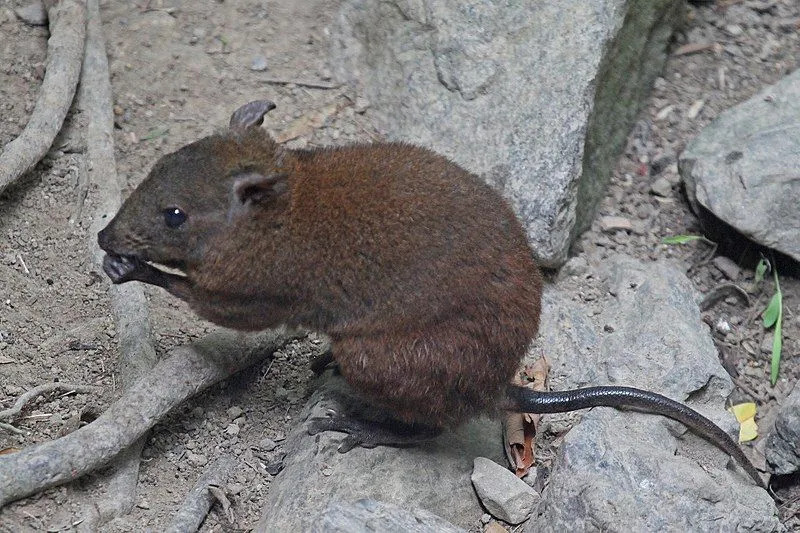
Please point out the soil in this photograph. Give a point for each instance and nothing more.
(178, 70)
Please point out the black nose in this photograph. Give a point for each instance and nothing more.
(103, 238)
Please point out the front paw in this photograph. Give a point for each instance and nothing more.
(121, 268)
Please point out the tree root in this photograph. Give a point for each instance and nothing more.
(129, 307)
(198, 502)
(185, 372)
(64, 54)
(35, 392)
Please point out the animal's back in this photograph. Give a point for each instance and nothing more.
(437, 283)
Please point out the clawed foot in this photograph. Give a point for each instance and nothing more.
(369, 433)
(321, 362)
(122, 268)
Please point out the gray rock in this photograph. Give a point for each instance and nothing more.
(33, 14)
(661, 187)
(783, 442)
(369, 516)
(434, 476)
(743, 167)
(503, 494)
(727, 266)
(626, 471)
(537, 99)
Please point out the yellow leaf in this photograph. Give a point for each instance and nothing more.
(743, 411)
(748, 430)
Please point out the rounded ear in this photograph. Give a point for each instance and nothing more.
(254, 188)
(250, 115)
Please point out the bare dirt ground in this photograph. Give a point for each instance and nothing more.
(178, 70)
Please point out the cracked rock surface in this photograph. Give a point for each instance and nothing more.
(537, 99)
(626, 471)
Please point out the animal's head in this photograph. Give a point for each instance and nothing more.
(192, 193)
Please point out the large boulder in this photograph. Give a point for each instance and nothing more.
(433, 477)
(639, 325)
(743, 167)
(538, 97)
(368, 516)
(783, 442)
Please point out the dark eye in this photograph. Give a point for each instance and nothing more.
(174, 217)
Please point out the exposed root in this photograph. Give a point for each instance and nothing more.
(198, 502)
(64, 54)
(137, 354)
(22, 401)
(185, 372)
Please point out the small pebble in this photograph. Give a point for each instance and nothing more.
(661, 187)
(196, 459)
(235, 488)
(734, 30)
(612, 224)
(259, 64)
(267, 444)
(766, 343)
(645, 210)
(361, 105)
(232, 430)
(235, 412)
(722, 326)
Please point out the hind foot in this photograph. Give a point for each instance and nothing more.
(370, 433)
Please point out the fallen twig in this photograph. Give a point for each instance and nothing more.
(11, 429)
(309, 84)
(185, 372)
(15, 409)
(198, 502)
(64, 54)
(720, 292)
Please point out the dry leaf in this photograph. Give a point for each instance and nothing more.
(692, 48)
(745, 413)
(495, 527)
(520, 428)
(748, 430)
(6, 360)
(7, 451)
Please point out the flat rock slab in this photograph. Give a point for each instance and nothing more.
(369, 516)
(783, 442)
(745, 167)
(626, 471)
(535, 97)
(434, 476)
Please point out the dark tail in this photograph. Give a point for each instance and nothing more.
(530, 401)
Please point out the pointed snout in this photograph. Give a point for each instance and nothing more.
(104, 239)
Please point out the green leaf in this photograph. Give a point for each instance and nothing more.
(761, 269)
(773, 310)
(681, 239)
(777, 343)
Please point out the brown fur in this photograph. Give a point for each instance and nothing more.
(418, 271)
